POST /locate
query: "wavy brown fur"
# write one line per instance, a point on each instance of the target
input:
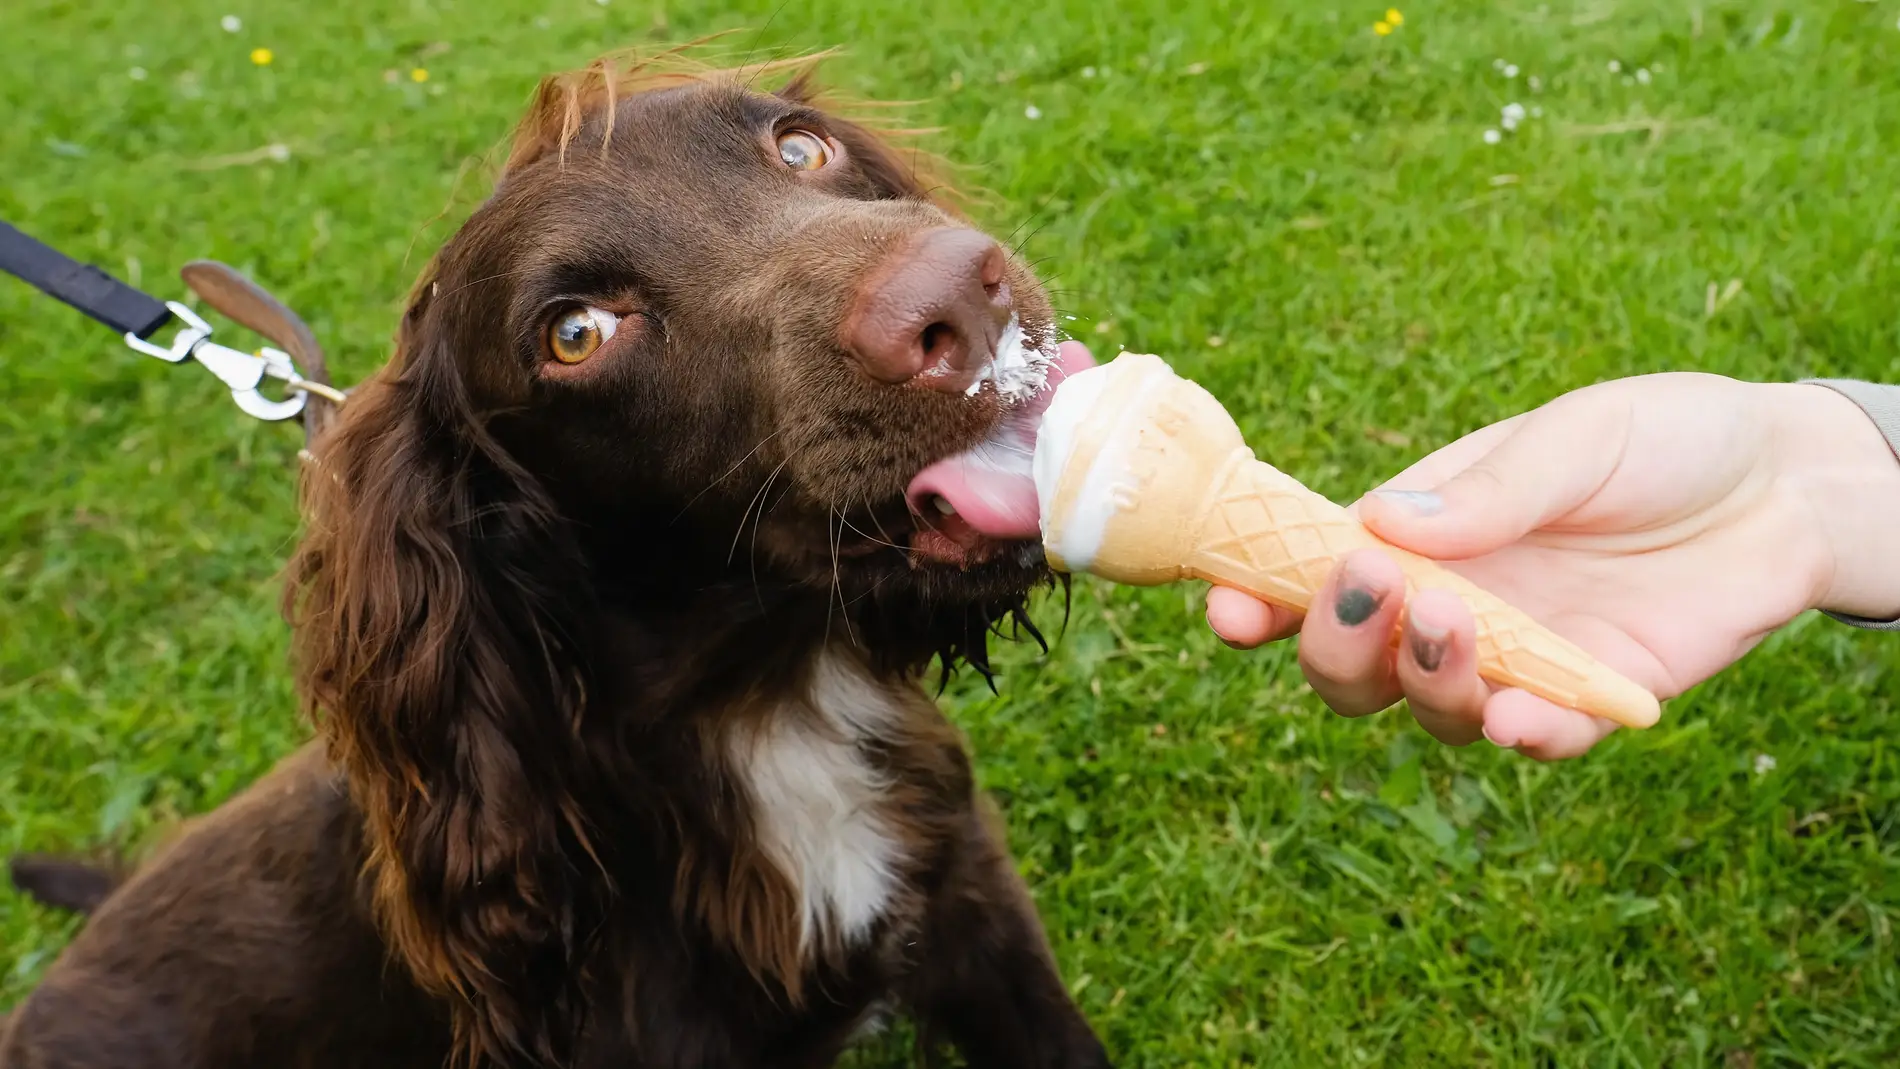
(440, 620)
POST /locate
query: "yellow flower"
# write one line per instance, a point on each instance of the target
(261, 56)
(1392, 16)
(1382, 28)
(418, 75)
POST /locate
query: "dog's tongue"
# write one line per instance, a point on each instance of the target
(992, 487)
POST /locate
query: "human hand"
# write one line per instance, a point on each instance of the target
(1664, 523)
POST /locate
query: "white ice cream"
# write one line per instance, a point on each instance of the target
(1017, 370)
(1077, 537)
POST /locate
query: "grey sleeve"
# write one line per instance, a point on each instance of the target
(1882, 405)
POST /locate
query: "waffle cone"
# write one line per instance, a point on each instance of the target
(1189, 500)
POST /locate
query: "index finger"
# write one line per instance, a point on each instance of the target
(1438, 466)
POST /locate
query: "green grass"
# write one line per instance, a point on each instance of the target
(1302, 215)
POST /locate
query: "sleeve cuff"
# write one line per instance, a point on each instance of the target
(1861, 622)
(1882, 405)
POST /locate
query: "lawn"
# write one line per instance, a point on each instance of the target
(1304, 214)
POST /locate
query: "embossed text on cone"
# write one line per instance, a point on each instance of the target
(1185, 498)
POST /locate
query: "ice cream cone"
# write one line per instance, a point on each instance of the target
(1144, 479)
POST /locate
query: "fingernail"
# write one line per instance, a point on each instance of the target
(1428, 644)
(1508, 744)
(1355, 603)
(1416, 502)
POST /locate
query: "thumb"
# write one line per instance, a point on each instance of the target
(1554, 459)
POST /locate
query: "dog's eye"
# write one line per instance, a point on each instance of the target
(574, 336)
(802, 150)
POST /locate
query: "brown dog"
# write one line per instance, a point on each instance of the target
(616, 591)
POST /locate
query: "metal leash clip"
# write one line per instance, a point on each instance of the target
(139, 315)
(242, 372)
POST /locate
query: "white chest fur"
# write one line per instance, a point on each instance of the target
(816, 797)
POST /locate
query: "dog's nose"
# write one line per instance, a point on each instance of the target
(932, 311)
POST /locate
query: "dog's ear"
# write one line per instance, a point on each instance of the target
(440, 615)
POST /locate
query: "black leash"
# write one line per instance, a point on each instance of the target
(82, 286)
(137, 316)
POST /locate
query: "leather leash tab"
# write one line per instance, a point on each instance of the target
(248, 304)
(83, 286)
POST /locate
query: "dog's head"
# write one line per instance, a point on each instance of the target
(703, 334)
(728, 330)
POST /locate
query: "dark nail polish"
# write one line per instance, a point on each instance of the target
(1428, 652)
(1355, 605)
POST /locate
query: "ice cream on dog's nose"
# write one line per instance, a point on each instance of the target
(1142, 478)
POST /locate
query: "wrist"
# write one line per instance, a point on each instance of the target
(1830, 453)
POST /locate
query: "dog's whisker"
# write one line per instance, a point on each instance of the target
(1027, 219)
(855, 529)
(728, 475)
(879, 523)
(752, 553)
(834, 578)
(836, 593)
(739, 533)
(1017, 249)
(873, 590)
(837, 580)
(758, 498)
(473, 282)
(753, 48)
